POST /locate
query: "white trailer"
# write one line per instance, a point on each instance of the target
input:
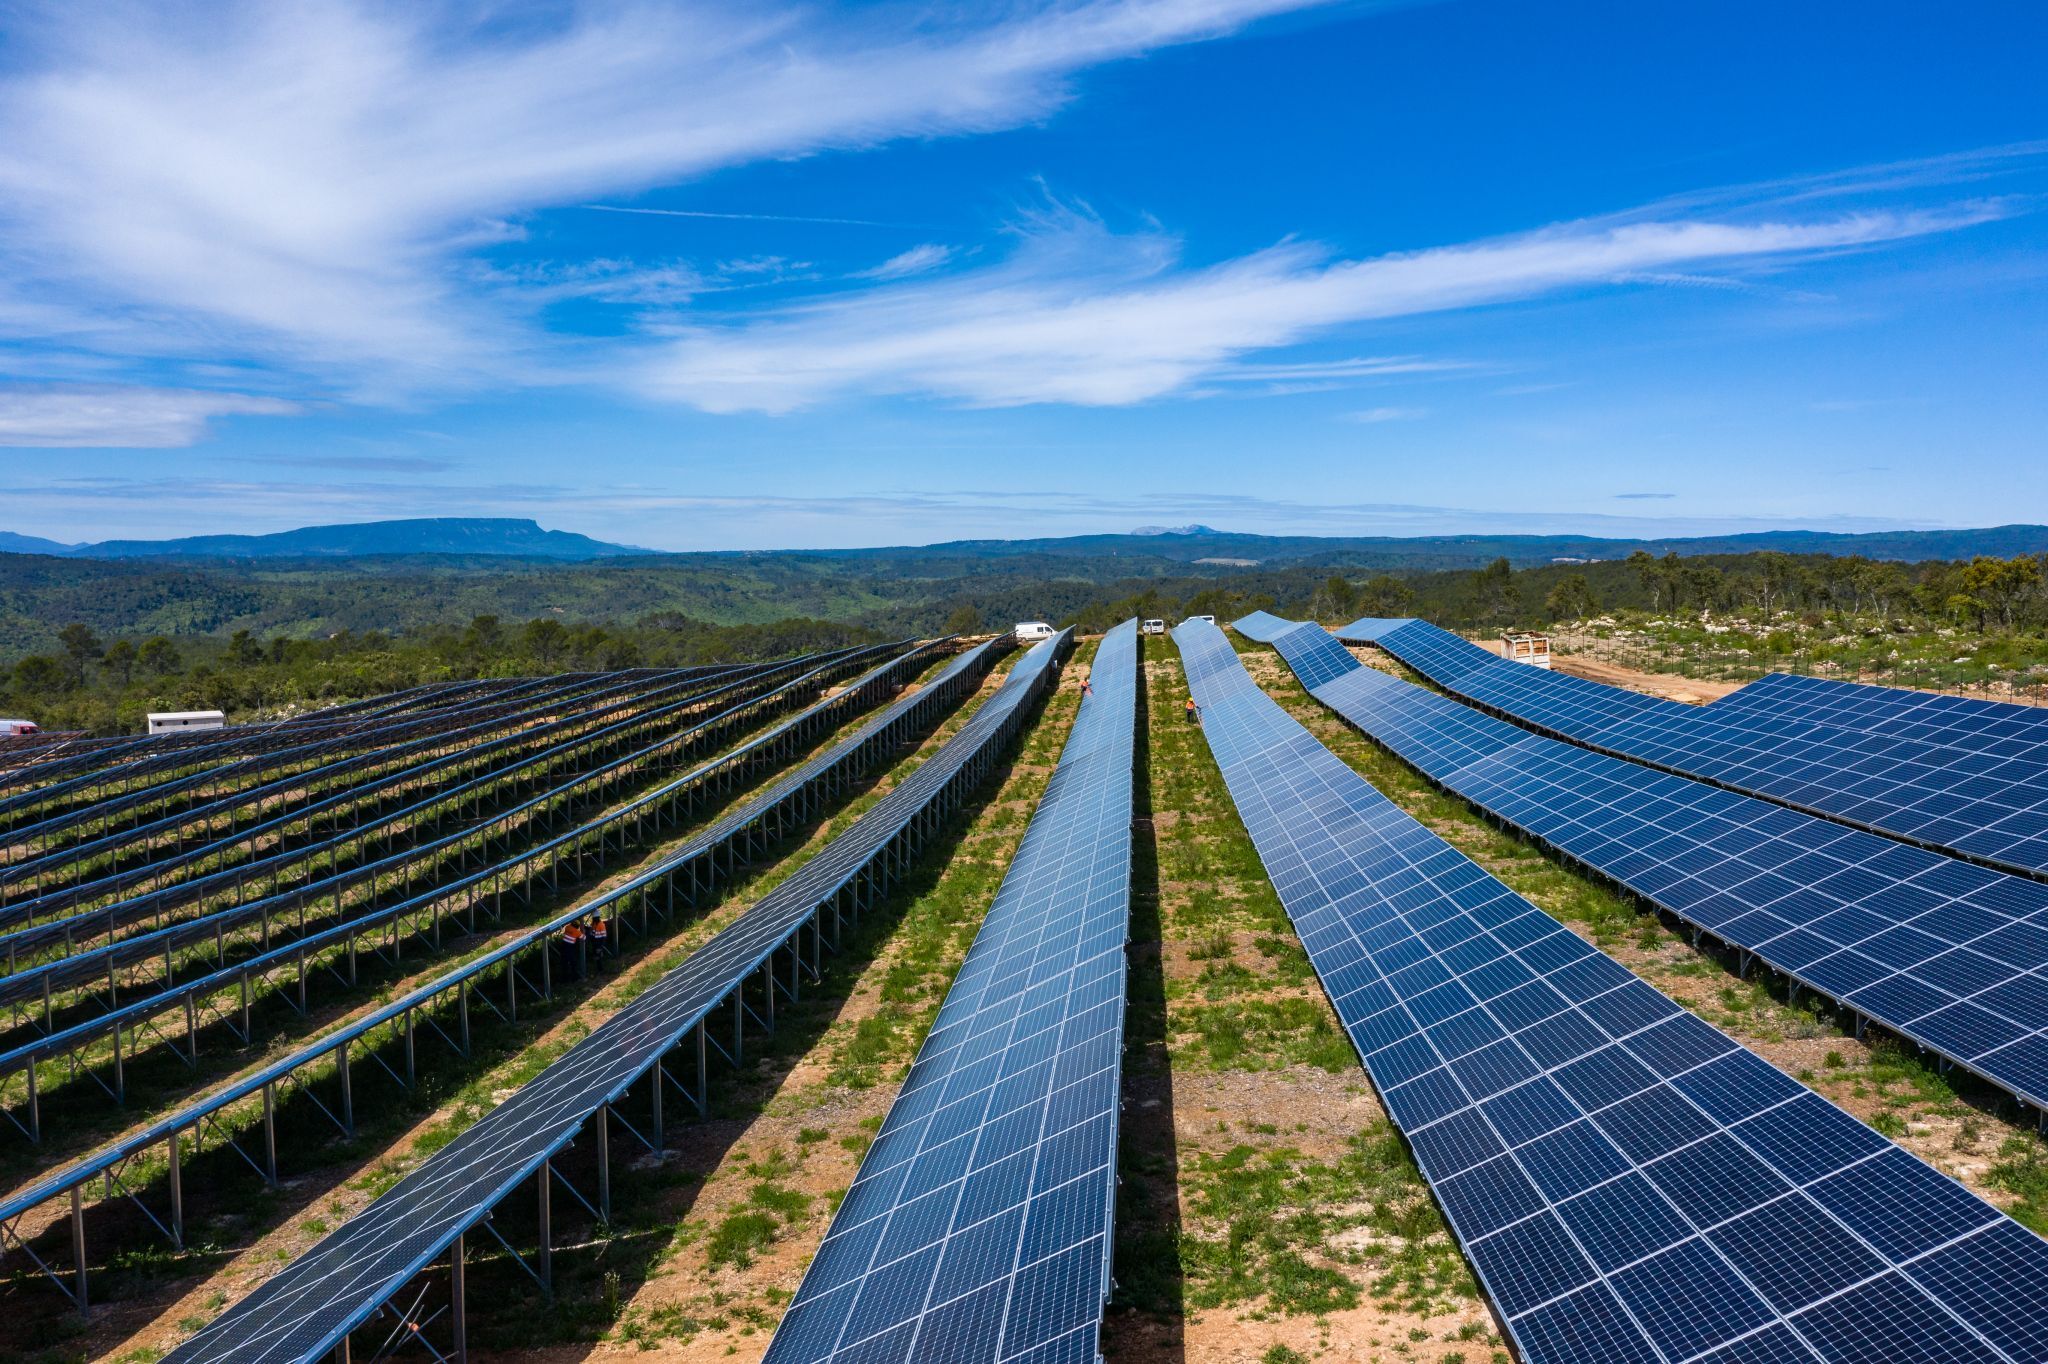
(177, 721)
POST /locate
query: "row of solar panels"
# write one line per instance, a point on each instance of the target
(433, 819)
(1951, 955)
(1629, 1183)
(683, 872)
(316, 1300)
(52, 810)
(1970, 779)
(522, 863)
(340, 804)
(979, 1227)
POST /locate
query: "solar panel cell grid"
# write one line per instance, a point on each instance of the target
(978, 1227)
(1601, 1193)
(1975, 782)
(1941, 951)
(300, 1312)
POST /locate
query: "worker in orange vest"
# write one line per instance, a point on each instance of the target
(572, 949)
(600, 936)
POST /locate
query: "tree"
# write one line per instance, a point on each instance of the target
(484, 635)
(2001, 585)
(1649, 575)
(40, 675)
(1384, 595)
(1776, 572)
(964, 620)
(244, 649)
(1705, 582)
(159, 657)
(1499, 597)
(545, 639)
(81, 646)
(119, 660)
(1335, 600)
(1571, 599)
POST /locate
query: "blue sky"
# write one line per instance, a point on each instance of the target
(718, 276)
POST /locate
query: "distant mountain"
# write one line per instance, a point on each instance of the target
(469, 536)
(10, 543)
(1204, 545)
(1192, 528)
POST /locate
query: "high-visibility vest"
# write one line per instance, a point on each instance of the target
(599, 930)
(573, 933)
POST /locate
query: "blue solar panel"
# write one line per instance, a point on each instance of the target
(1948, 954)
(300, 1313)
(979, 1226)
(1629, 1183)
(1970, 779)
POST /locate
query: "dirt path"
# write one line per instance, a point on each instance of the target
(1693, 691)
(1267, 1211)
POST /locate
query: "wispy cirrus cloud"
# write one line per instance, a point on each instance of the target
(301, 183)
(918, 260)
(89, 415)
(1083, 315)
(1372, 416)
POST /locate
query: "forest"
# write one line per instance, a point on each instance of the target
(94, 647)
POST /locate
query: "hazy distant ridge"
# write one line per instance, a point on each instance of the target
(467, 535)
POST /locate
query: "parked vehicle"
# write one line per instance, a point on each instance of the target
(1032, 631)
(1153, 627)
(1210, 619)
(10, 729)
(177, 721)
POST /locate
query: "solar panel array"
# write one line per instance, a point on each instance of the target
(979, 1226)
(310, 1304)
(1922, 714)
(1629, 1183)
(1978, 787)
(789, 734)
(1951, 955)
(484, 876)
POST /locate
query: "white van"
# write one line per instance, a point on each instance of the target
(1208, 619)
(1153, 627)
(1032, 631)
(15, 729)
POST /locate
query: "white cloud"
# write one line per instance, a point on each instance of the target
(1374, 415)
(1082, 315)
(297, 182)
(918, 260)
(87, 415)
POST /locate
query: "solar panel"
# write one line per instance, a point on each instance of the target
(1951, 955)
(314, 1301)
(979, 1226)
(1971, 780)
(1629, 1184)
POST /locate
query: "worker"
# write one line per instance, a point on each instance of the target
(600, 936)
(572, 949)
(1194, 712)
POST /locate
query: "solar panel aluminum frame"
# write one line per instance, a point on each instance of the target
(977, 1298)
(856, 866)
(1831, 1245)
(530, 861)
(1777, 940)
(109, 1165)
